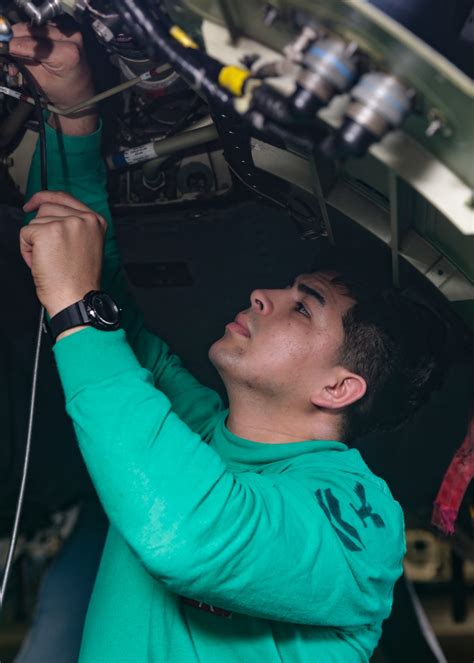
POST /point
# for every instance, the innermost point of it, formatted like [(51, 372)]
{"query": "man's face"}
[(287, 343)]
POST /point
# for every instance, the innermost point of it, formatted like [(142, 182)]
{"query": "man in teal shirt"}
[(247, 534)]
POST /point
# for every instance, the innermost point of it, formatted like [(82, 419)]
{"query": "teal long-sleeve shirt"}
[(219, 548)]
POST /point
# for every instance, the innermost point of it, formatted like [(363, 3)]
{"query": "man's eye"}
[(301, 308)]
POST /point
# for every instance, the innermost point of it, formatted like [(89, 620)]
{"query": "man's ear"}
[(346, 388)]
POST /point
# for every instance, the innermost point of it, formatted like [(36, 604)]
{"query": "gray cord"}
[(44, 186), (11, 549)]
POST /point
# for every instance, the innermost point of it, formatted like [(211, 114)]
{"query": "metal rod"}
[(229, 21), (164, 147), (394, 227), (147, 75), (318, 191), (45, 12)]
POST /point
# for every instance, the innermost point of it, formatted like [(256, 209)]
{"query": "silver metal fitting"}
[(102, 31), (379, 102), (329, 69), (437, 125), (39, 15), (296, 49)]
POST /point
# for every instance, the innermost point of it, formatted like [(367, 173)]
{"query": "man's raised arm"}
[(75, 166), (250, 542)]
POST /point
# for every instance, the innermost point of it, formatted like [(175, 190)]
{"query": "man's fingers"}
[(57, 204), (55, 198), (60, 226), (64, 254), (58, 62), (46, 31), (31, 49), (74, 218), (55, 210), (53, 54), (26, 243), (43, 220)]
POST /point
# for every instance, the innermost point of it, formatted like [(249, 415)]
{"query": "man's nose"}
[(261, 302)]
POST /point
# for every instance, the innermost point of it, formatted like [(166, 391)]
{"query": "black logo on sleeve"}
[(365, 510), (346, 532)]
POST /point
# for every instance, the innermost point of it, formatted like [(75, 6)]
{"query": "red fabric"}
[(455, 483)]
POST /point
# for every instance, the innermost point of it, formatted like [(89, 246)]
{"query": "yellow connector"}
[(182, 37), (233, 79)]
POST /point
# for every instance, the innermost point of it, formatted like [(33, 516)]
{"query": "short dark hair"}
[(396, 343)]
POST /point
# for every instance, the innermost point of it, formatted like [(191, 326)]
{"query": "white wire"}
[(95, 12), (34, 382), (88, 102), (425, 626)]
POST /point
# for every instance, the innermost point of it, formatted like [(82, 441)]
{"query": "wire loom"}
[(154, 31)]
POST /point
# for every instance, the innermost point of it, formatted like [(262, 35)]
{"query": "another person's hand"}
[(63, 247), (58, 63)]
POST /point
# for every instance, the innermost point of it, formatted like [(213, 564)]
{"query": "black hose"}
[(39, 114), (199, 69), (202, 72)]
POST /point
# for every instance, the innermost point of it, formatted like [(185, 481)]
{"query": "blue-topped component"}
[(117, 160), (332, 60), (388, 98), (384, 94), (329, 68)]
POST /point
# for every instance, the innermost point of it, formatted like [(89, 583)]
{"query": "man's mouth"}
[(239, 326)]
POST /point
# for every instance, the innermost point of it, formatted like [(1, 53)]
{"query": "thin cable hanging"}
[(21, 495)]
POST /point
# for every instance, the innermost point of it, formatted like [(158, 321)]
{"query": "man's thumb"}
[(26, 244)]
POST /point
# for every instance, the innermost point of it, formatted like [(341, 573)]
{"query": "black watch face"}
[(106, 310)]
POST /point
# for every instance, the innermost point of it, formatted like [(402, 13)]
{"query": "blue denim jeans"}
[(56, 631)]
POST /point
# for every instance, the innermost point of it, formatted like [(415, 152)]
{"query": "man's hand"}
[(57, 61), (63, 247)]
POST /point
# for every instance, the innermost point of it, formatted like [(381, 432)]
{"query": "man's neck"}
[(270, 422)]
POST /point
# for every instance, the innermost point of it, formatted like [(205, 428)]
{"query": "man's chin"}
[(223, 354), (213, 353)]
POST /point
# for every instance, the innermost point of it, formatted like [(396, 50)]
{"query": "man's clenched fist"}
[(63, 247)]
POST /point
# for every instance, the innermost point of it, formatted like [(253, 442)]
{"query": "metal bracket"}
[(236, 141), (394, 227)]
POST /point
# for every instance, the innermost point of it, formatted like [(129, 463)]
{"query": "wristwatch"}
[(96, 309)]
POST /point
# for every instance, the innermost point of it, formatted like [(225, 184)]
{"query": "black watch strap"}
[(96, 309), (75, 315)]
